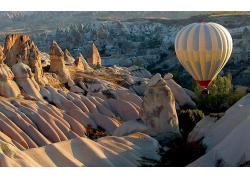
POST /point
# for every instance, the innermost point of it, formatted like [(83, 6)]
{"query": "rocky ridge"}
[(151, 41), (118, 116), (98, 108)]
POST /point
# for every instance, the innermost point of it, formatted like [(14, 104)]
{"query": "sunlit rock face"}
[(94, 57), (158, 110), (110, 151), (8, 87), (78, 63), (25, 79), (16, 44), (69, 60), (84, 62), (56, 57), (183, 97)]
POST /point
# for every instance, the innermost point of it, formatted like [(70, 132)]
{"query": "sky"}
[(125, 5)]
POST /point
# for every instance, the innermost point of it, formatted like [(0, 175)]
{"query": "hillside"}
[(111, 93)]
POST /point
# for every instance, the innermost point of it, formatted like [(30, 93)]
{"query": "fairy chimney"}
[(94, 58), (56, 57)]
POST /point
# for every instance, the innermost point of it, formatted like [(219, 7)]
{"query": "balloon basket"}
[(205, 91)]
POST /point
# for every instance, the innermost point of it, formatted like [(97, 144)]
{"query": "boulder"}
[(145, 73), (158, 110), (168, 76)]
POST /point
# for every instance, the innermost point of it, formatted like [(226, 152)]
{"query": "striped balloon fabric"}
[(203, 49)]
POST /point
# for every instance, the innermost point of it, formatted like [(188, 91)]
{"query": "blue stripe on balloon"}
[(192, 70), (218, 37), (177, 39), (196, 38), (185, 38), (198, 68), (208, 67), (216, 68), (208, 39)]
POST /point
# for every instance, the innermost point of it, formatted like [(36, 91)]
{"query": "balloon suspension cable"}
[(205, 91)]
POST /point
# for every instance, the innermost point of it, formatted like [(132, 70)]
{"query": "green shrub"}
[(188, 119), (214, 102), (176, 77), (235, 97), (138, 62)]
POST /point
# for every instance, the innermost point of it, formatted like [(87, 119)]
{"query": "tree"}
[(176, 77), (138, 62), (188, 119), (219, 91)]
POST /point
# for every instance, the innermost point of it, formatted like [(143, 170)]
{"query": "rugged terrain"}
[(59, 109)]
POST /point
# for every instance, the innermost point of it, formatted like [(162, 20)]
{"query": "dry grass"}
[(118, 119), (88, 77), (95, 133)]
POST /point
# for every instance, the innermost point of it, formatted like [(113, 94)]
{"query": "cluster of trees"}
[(221, 97), (216, 101)]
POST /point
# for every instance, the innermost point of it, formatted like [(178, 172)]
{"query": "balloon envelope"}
[(203, 49)]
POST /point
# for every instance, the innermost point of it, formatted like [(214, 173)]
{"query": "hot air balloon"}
[(203, 49)]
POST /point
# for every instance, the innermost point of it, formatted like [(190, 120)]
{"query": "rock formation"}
[(69, 60), (74, 87), (158, 110), (130, 127), (8, 87), (25, 79), (139, 72), (16, 44), (227, 139), (31, 56), (56, 57), (111, 151), (79, 64), (94, 58), (84, 62), (181, 97), (63, 75)]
